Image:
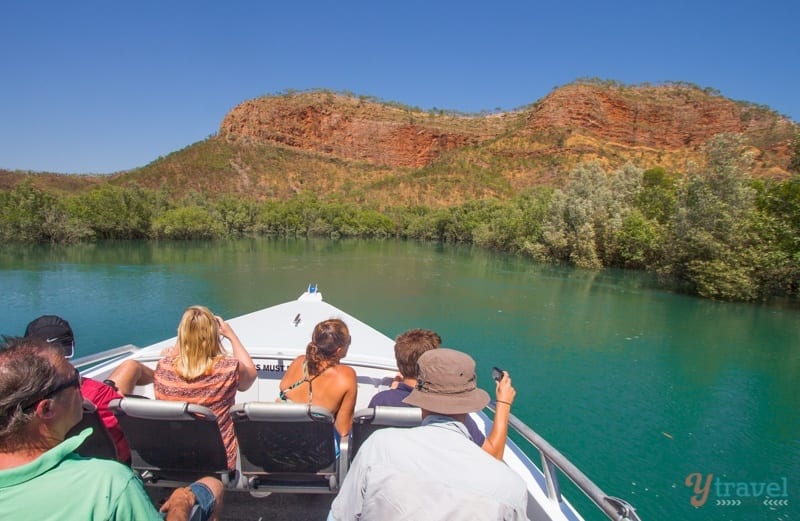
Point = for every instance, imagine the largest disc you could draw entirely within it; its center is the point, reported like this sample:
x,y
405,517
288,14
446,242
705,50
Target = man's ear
x,y
45,408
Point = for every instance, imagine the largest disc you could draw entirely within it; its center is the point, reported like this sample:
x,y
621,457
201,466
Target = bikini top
x,y
305,378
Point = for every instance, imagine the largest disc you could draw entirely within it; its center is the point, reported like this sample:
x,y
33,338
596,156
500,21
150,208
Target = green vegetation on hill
x,y
713,231
722,222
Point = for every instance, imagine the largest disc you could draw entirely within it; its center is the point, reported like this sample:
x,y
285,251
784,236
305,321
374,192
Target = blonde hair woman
x,y
319,379
198,370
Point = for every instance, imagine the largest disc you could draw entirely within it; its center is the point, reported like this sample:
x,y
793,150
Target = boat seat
x,y
99,444
288,447
366,421
172,443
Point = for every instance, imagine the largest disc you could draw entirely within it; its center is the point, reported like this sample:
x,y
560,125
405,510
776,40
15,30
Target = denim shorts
x,y
204,503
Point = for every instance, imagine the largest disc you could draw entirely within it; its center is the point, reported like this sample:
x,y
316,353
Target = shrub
x,y
189,222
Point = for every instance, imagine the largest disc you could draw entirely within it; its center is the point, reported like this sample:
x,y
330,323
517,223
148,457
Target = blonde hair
x,y
198,343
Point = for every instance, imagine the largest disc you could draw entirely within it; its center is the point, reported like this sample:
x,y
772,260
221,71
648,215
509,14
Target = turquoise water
x,y
638,386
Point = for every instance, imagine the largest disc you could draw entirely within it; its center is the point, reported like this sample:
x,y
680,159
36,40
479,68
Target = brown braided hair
x,y
327,338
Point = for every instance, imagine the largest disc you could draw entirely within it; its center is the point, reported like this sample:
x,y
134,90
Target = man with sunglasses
x,y
57,331
41,477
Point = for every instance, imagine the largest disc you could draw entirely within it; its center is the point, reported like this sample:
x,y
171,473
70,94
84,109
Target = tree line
x,y
712,231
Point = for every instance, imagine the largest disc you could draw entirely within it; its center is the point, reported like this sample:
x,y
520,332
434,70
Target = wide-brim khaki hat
x,y
447,383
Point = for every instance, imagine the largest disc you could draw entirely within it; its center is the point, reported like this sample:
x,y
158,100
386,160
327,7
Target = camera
x,y
497,373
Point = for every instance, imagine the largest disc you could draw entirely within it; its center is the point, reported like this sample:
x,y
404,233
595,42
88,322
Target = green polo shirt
x,y
61,485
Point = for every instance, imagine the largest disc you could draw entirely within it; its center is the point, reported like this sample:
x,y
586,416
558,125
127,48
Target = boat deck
x,y
274,336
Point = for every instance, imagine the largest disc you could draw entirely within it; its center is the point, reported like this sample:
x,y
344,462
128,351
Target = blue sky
x,y
98,87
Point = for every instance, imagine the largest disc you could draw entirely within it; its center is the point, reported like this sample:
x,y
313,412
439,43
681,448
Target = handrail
x,y
615,508
104,356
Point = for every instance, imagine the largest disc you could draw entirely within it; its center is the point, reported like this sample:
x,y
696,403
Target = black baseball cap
x,y
54,330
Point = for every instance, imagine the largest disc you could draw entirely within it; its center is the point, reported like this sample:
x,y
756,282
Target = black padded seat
x,y
172,443
99,444
288,447
366,421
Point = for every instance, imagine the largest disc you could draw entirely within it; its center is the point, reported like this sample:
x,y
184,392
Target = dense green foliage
x,y
713,231
794,161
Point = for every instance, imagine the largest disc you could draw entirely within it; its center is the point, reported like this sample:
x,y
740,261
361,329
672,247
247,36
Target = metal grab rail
x,y
104,356
615,508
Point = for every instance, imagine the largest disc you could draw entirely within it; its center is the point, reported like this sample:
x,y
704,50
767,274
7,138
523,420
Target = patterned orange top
x,y
216,391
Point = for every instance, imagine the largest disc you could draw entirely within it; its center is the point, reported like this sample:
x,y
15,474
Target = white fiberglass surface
x,y
274,336
286,329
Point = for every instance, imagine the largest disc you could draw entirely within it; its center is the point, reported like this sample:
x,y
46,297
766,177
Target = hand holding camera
x,y
504,391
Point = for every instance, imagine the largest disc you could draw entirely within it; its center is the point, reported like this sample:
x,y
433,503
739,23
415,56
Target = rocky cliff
x,y
593,121
372,152
355,128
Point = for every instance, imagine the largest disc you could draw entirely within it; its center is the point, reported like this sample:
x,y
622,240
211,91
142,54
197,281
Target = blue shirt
x,y
394,398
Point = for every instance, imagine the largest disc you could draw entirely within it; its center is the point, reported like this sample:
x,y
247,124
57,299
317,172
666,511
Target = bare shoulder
x,y
296,364
345,372
294,368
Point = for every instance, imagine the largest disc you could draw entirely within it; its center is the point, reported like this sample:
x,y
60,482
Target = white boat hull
x,y
274,336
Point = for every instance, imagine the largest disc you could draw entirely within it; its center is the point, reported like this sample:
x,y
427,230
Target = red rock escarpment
x,y
676,119
663,117
348,128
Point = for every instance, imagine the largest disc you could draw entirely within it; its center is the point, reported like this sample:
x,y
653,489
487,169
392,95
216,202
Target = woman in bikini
x,y
317,378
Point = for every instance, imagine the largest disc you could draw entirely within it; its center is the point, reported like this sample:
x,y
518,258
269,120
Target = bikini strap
x,y
282,393
311,388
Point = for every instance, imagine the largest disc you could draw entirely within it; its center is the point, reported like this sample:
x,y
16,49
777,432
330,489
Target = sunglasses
x,y
74,381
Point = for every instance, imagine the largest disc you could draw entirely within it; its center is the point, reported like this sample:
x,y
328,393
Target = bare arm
x,y
289,374
247,369
178,505
344,416
495,442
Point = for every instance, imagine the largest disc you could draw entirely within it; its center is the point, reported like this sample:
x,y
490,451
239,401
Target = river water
x,y
638,386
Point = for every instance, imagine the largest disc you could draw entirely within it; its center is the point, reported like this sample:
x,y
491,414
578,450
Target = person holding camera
x,y
434,471
408,347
